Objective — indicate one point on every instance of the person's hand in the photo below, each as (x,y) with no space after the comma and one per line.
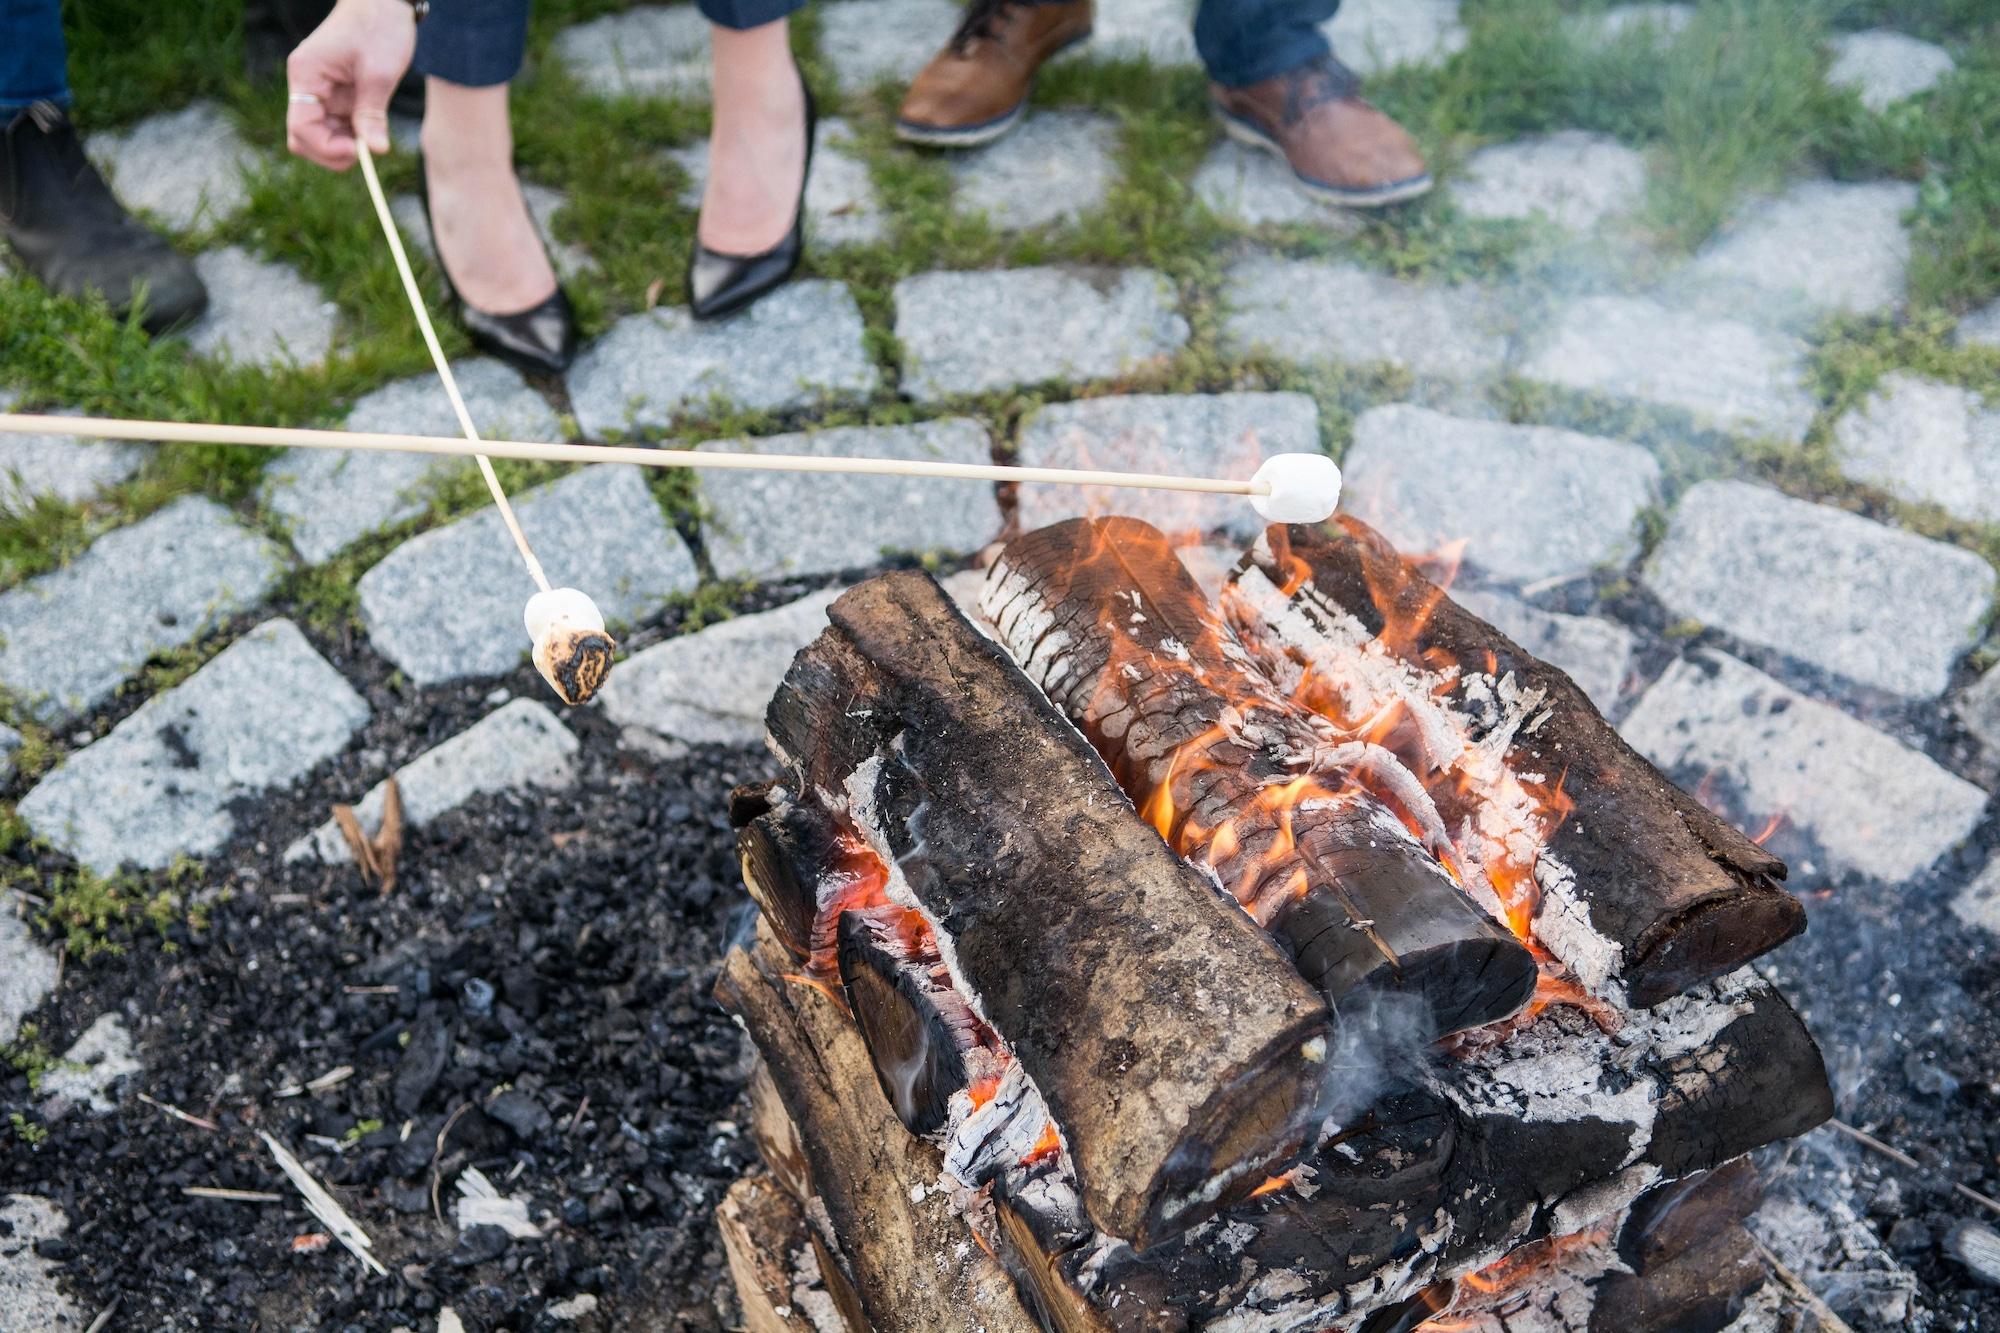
(341,79)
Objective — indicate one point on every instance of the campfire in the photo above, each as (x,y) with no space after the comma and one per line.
(1309,957)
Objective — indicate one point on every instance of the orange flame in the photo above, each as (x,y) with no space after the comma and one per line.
(1270,1186)
(1046,1147)
(1771,826)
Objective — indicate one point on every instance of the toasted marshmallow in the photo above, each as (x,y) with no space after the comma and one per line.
(572,651)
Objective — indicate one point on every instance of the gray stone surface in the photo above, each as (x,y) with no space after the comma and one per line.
(87,1073)
(1871,603)
(1981,328)
(841,204)
(1657,22)
(1310,311)
(331,498)
(1207,435)
(69,638)
(1865,803)
(1979,709)
(1596,654)
(10,743)
(1032,324)
(650,51)
(1530,502)
(59,467)
(1252,188)
(1820,248)
(713,685)
(1978,903)
(1886,67)
(518,745)
(867,41)
(184,167)
(27,970)
(1573,178)
(1723,372)
(30,1299)
(1370,36)
(1054,167)
(259,313)
(1161,31)
(768,525)
(1925,441)
(166,780)
(447,604)
(799,345)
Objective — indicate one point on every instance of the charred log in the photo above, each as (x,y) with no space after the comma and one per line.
(772,1261)
(1258,791)
(1704,1287)
(784,847)
(1643,891)
(903,1245)
(1673,1218)
(1172,1042)
(916,1027)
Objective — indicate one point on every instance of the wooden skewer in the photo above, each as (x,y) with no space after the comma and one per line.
(287,437)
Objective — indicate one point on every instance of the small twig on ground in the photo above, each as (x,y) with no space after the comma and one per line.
(1895,1154)
(104,1316)
(577,1119)
(178,1114)
(437,1153)
(325,1207)
(370,990)
(1829,1322)
(389,838)
(232,1196)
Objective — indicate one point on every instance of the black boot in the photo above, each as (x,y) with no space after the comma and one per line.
(71,232)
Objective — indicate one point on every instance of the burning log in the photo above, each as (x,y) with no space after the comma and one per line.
(1290,817)
(773,1262)
(900,1243)
(1640,891)
(1175,1047)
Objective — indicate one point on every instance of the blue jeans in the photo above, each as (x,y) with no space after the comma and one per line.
(478,43)
(33,63)
(1247,41)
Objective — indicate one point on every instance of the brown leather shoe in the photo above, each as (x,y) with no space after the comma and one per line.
(974,90)
(1341,150)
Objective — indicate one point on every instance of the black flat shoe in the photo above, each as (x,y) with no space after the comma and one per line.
(719,284)
(540,339)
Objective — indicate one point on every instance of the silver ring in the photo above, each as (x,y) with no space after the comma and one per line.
(304,99)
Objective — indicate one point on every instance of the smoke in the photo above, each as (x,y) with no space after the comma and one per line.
(1380,1040)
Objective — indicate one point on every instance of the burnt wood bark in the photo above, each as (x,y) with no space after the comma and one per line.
(1669,1220)
(917,1029)
(1454,1164)
(783,846)
(1704,1287)
(1172,1042)
(1665,894)
(765,1238)
(1264,795)
(902,1243)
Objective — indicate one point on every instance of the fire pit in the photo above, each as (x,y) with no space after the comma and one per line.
(1308,958)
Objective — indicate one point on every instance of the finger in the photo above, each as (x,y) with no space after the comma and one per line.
(315,129)
(374,85)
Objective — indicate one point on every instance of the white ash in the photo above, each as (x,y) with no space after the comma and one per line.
(810,1296)
(480,1203)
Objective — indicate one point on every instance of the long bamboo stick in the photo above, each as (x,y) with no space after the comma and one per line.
(285,437)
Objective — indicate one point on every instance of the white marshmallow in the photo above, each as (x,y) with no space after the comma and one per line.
(1304,488)
(561,608)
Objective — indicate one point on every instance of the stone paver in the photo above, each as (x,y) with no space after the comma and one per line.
(166,780)
(1979,709)
(30,1299)
(1530,502)
(10,742)
(1867,803)
(1310,311)
(1375,35)
(27,970)
(841,204)
(799,345)
(1928,442)
(1659,22)
(867,41)
(650,51)
(447,604)
(331,498)
(768,525)
(1596,654)
(1033,324)
(1981,328)
(1210,435)
(1573,178)
(85,1073)
(1723,372)
(1886,67)
(1978,903)
(1879,606)
(260,313)
(184,167)
(713,685)
(1252,188)
(1820,248)
(1161,31)
(72,636)
(518,745)
(1055,167)
(59,467)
